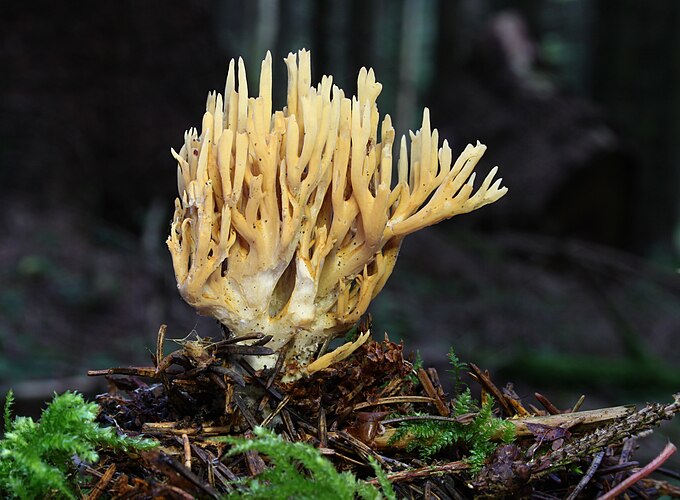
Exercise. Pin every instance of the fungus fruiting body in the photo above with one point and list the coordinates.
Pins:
(289, 223)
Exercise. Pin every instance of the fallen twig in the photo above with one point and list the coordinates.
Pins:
(642, 473)
(597, 460)
(102, 483)
(428, 471)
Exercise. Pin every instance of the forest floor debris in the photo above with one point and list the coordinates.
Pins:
(375, 407)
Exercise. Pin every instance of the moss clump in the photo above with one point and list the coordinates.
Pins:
(37, 458)
(300, 471)
(478, 437)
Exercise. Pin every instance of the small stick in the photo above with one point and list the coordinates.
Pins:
(641, 474)
(216, 469)
(322, 430)
(233, 340)
(288, 422)
(171, 468)
(140, 371)
(669, 473)
(579, 403)
(597, 460)
(277, 369)
(272, 391)
(551, 408)
(102, 483)
(187, 451)
(535, 410)
(514, 400)
(171, 428)
(219, 466)
(617, 468)
(211, 474)
(360, 448)
(160, 340)
(219, 381)
(430, 390)
(253, 373)
(245, 411)
(465, 418)
(487, 384)
(427, 471)
(394, 400)
(264, 340)
(434, 377)
(276, 411)
(252, 350)
(349, 459)
(626, 452)
(517, 406)
(232, 375)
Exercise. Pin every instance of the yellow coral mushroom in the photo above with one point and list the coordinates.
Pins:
(287, 222)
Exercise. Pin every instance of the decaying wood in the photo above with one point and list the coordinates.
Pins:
(576, 422)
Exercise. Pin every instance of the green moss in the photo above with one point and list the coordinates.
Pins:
(37, 458)
(457, 368)
(477, 438)
(299, 471)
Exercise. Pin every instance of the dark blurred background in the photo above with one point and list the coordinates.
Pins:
(568, 285)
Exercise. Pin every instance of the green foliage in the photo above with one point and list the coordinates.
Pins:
(300, 471)
(457, 367)
(477, 437)
(36, 458)
(9, 401)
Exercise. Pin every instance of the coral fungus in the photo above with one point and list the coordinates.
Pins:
(288, 223)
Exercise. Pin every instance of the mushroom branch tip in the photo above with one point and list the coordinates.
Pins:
(288, 222)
